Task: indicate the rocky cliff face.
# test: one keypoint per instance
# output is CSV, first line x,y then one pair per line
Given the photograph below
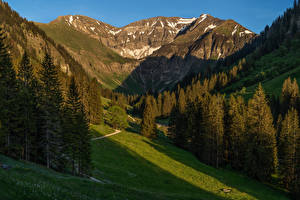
x,y
136,40
157,52
194,47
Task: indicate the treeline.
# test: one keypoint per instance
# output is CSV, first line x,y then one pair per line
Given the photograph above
x,y
43,121
245,136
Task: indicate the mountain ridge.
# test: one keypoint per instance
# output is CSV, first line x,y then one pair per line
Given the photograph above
x,y
129,47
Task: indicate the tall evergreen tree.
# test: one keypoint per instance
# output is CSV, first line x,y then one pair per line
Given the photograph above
x,y
290,95
167,104
50,115
296,185
8,101
28,108
181,101
261,153
76,132
212,127
177,130
236,132
287,148
159,104
148,125
94,108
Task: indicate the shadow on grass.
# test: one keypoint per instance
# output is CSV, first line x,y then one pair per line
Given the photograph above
x,y
134,128
233,179
122,166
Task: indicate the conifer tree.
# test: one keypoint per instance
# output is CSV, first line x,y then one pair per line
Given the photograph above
x,y
212,127
181,101
296,185
167,104
177,130
290,94
94,110
261,153
287,148
154,106
236,132
28,108
8,101
148,125
159,104
117,117
50,115
76,132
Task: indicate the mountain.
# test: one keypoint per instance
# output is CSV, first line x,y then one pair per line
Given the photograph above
x,y
195,48
130,58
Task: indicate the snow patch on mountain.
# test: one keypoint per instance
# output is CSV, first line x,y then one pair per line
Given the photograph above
x,y
150,32
212,26
71,19
153,23
234,30
115,32
245,32
186,20
172,24
203,17
139,53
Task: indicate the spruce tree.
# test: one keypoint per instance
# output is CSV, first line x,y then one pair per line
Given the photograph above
x,y
296,185
236,132
117,117
28,108
181,101
76,132
177,130
148,125
212,128
287,148
167,104
159,104
94,110
290,95
50,115
261,151
8,102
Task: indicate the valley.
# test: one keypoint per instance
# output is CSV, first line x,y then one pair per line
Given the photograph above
x,y
166,108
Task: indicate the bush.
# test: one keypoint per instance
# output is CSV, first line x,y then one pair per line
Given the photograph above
x,y
117,117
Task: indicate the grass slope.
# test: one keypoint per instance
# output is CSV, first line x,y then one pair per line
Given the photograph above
x,y
133,167
271,70
88,51
157,167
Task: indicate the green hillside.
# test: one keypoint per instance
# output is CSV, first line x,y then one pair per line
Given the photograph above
x,y
271,70
90,52
133,167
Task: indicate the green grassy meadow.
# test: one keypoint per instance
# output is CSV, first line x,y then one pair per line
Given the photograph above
x,y
133,167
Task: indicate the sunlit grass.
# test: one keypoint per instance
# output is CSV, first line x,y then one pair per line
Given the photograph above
x,y
157,166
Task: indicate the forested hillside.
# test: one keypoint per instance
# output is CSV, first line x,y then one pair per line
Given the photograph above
x,y
225,117
229,132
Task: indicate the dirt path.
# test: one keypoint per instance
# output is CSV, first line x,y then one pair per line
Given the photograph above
x,y
108,135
